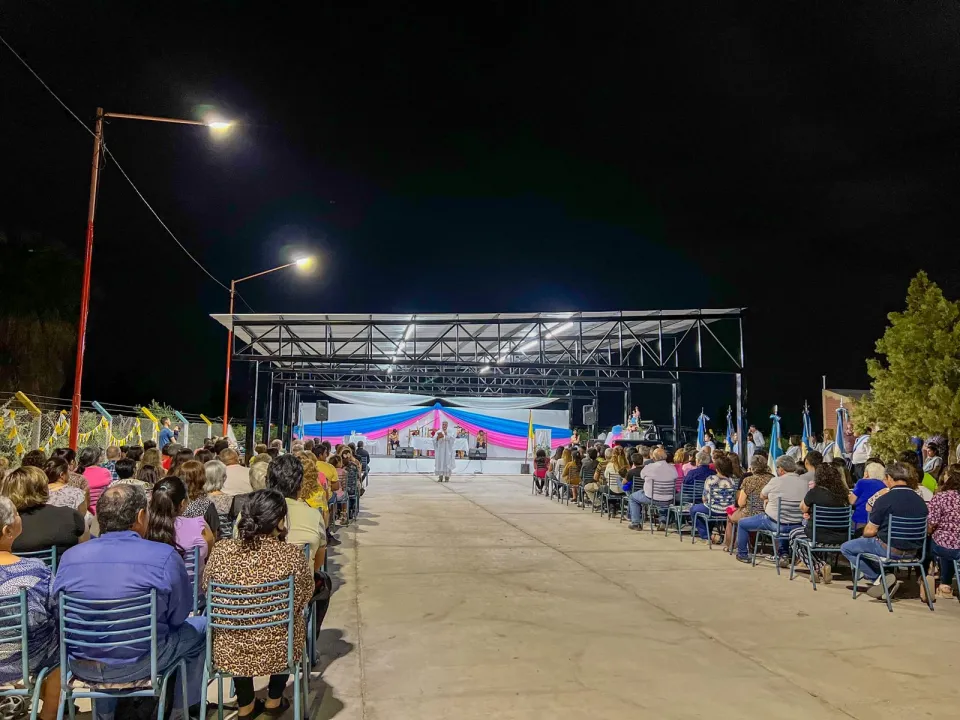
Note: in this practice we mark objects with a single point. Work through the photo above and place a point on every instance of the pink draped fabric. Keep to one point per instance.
(383, 432)
(502, 439)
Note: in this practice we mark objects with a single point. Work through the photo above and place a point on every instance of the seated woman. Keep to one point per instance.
(540, 466)
(312, 492)
(870, 484)
(42, 636)
(716, 487)
(571, 473)
(98, 478)
(194, 476)
(167, 523)
(748, 496)
(829, 490)
(944, 526)
(44, 526)
(59, 490)
(259, 554)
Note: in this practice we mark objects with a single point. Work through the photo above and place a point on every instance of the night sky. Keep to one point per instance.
(799, 159)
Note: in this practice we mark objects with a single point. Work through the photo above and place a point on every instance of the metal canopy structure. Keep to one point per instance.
(567, 355)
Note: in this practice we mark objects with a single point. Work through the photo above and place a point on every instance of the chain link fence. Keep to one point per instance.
(44, 423)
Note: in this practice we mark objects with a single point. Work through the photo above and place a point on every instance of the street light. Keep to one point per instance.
(304, 262)
(88, 252)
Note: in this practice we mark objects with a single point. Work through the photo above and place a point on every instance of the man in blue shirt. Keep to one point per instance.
(901, 501)
(167, 435)
(120, 564)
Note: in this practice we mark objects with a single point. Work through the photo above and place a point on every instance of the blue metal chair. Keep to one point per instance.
(47, 557)
(658, 511)
(781, 534)
(716, 497)
(192, 562)
(13, 631)
(823, 519)
(690, 494)
(99, 625)
(310, 612)
(899, 530)
(263, 605)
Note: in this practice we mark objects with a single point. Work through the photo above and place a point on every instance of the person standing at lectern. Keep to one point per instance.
(443, 453)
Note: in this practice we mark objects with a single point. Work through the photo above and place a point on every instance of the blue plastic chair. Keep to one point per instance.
(47, 557)
(690, 494)
(716, 497)
(92, 625)
(14, 631)
(823, 519)
(782, 533)
(239, 608)
(192, 562)
(899, 529)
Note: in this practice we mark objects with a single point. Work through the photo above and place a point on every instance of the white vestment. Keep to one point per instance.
(444, 455)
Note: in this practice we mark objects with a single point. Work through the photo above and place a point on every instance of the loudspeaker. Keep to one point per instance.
(589, 414)
(323, 410)
(403, 452)
(478, 454)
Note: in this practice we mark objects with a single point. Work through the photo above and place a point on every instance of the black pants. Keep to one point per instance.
(244, 687)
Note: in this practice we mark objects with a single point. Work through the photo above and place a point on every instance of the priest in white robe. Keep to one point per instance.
(443, 453)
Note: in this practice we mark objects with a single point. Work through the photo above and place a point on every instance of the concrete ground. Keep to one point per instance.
(474, 599)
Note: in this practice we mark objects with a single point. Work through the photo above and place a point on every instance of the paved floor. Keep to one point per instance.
(474, 599)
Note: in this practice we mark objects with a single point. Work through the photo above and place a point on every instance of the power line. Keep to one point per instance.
(126, 177)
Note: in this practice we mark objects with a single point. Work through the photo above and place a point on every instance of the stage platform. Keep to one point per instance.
(380, 465)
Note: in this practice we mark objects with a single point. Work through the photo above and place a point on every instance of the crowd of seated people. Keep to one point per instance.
(731, 505)
(122, 527)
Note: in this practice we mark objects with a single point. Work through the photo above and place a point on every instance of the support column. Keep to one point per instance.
(266, 432)
(675, 408)
(741, 419)
(626, 404)
(282, 416)
(252, 411)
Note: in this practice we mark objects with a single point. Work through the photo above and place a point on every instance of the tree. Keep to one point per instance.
(915, 381)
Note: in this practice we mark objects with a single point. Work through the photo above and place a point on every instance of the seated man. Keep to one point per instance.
(120, 564)
(900, 501)
(787, 487)
(659, 483)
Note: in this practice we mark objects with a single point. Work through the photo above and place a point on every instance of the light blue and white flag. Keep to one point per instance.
(807, 432)
(775, 450)
(729, 429)
(842, 415)
(702, 430)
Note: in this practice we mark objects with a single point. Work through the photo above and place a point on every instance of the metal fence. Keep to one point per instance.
(29, 423)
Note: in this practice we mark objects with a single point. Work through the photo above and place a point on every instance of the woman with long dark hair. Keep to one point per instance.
(829, 490)
(168, 525)
(259, 554)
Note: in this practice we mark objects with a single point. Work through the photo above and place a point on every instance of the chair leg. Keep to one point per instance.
(63, 702)
(182, 672)
(886, 590)
(856, 575)
(219, 696)
(756, 542)
(297, 713)
(926, 588)
(35, 697)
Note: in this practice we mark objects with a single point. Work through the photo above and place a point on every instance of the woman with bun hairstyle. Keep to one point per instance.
(259, 554)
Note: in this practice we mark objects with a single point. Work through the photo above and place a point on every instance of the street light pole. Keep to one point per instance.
(233, 291)
(85, 290)
(88, 251)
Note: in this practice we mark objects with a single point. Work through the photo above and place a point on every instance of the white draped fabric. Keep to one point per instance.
(381, 399)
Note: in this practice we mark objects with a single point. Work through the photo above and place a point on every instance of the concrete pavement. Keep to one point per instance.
(474, 599)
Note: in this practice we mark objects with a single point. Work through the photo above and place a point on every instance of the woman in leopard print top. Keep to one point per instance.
(259, 554)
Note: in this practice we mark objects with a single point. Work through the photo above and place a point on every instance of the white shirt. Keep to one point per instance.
(757, 438)
(238, 481)
(861, 450)
(659, 481)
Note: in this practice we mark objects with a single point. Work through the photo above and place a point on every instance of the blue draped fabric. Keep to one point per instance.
(501, 425)
(362, 426)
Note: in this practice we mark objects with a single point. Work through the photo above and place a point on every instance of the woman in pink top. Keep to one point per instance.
(98, 478)
(166, 523)
(680, 463)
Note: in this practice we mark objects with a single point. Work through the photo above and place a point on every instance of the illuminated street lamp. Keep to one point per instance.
(88, 252)
(303, 263)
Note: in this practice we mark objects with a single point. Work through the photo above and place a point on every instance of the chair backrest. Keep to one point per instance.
(666, 487)
(831, 518)
(906, 530)
(48, 557)
(192, 562)
(13, 627)
(235, 608)
(692, 493)
(89, 626)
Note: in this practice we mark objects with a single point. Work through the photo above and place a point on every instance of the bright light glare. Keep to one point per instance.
(304, 263)
(219, 125)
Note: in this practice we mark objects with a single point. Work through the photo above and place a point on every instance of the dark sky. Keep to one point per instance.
(800, 159)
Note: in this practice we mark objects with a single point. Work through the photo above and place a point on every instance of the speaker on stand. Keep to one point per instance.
(590, 417)
(479, 454)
